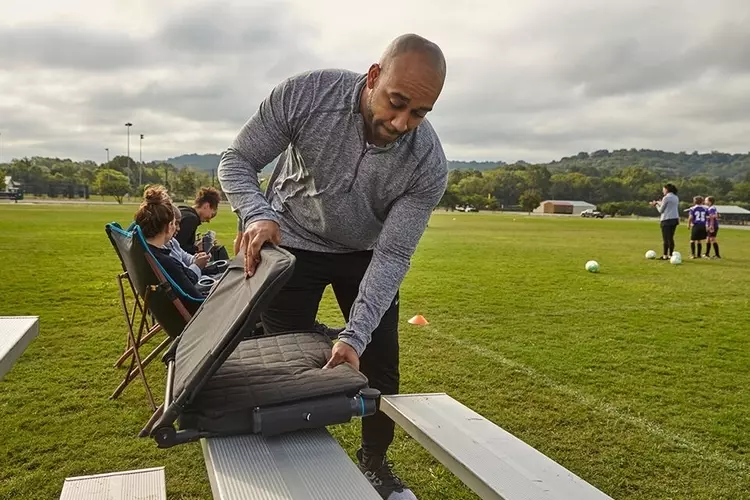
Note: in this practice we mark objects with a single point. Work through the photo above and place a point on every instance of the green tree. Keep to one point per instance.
(109, 182)
(477, 201)
(538, 177)
(741, 192)
(186, 183)
(507, 185)
(530, 199)
(450, 198)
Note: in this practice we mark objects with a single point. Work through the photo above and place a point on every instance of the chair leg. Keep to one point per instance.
(133, 374)
(136, 360)
(129, 317)
(150, 424)
(153, 331)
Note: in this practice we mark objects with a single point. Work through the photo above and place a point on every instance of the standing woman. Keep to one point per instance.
(669, 209)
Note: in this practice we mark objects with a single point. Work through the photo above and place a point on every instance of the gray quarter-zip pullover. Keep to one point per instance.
(330, 190)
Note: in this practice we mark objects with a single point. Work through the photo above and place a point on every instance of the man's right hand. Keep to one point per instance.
(254, 237)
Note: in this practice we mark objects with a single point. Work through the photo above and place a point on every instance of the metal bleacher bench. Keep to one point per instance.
(16, 332)
(143, 484)
(306, 464)
(491, 461)
(311, 464)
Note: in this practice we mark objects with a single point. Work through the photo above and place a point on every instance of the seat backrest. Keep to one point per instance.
(145, 271)
(114, 243)
(232, 310)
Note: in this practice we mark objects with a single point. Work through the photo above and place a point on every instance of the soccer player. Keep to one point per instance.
(712, 225)
(697, 225)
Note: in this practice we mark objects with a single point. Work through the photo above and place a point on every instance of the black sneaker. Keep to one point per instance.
(378, 471)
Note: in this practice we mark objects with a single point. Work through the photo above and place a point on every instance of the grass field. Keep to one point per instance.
(634, 378)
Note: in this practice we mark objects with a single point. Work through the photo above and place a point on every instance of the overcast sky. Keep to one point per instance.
(533, 80)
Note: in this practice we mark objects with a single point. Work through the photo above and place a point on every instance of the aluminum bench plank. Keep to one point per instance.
(16, 332)
(143, 484)
(309, 465)
(491, 461)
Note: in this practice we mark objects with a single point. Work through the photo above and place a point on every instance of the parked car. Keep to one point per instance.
(590, 212)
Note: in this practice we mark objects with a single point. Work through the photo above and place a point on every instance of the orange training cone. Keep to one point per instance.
(419, 320)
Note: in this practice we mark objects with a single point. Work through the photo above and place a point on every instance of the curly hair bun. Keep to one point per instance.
(156, 195)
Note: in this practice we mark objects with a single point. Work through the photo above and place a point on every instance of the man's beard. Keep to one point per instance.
(372, 125)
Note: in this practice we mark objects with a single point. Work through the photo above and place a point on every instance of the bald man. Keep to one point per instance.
(359, 173)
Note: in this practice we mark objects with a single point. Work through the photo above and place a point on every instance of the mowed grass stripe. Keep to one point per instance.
(602, 406)
(663, 346)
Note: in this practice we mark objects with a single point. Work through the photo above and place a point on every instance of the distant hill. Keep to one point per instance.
(206, 162)
(713, 164)
(201, 162)
(474, 165)
(682, 164)
(210, 162)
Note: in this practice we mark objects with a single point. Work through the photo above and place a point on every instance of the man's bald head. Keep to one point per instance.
(417, 45)
(402, 88)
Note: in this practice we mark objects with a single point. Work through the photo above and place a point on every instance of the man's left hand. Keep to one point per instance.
(343, 353)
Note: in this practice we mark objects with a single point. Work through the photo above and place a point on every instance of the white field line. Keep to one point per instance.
(702, 450)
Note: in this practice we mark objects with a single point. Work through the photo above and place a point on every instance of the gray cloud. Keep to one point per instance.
(548, 79)
(68, 47)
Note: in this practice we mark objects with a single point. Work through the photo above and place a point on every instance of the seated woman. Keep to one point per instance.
(155, 217)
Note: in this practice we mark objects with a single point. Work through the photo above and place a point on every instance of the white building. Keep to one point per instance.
(563, 207)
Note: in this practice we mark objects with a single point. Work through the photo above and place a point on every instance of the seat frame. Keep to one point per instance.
(137, 337)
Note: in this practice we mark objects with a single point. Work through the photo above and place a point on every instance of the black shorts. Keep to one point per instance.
(698, 233)
(712, 234)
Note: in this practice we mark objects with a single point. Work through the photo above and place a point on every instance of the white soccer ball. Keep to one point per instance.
(650, 254)
(592, 266)
(676, 258)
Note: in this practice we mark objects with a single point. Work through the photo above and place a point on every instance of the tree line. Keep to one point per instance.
(119, 177)
(620, 182)
(616, 191)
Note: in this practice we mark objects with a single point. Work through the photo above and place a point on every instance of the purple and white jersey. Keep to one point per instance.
(711, 212)
(699, 213)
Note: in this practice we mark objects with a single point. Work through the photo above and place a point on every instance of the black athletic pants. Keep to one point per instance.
(668, 228)
(296, 307)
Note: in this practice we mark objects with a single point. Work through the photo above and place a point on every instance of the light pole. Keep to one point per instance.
(128, 125)
(107, 150)
(1, 147)
(140, 161)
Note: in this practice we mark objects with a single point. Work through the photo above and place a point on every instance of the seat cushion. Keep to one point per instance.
(274, 369)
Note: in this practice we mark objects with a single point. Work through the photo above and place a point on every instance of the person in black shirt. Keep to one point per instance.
(204, 208)
(155, 217)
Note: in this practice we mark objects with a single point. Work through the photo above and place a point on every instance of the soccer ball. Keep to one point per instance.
(676, 258)
(592, 266)
(650, 254)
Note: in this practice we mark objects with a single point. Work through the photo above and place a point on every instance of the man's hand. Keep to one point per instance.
(253, 239)
(343, 353)
(201, 259)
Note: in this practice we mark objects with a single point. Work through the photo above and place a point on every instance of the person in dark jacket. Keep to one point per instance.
(204, 208)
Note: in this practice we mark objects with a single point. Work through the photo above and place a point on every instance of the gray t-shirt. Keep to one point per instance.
(330, 190)
(669, 207)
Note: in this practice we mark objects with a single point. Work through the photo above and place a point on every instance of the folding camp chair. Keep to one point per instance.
(226, 377)
(160, 296)
(137, 311)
